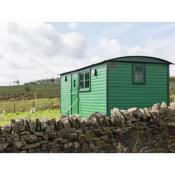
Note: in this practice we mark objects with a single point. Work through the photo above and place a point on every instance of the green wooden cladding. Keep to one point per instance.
(95, 99)
(65, 94)
(123, 93)
(89, 101)
(112, 85)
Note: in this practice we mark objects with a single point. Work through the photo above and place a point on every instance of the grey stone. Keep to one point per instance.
(68, 145)
(42, 142)
(156, 107)
(24, 133)
(19, 144)
(117, 116)
(93, 121)
(12, 137)
(172, 106)
(76, 145)
(29, 138)
(32, 125)
(31, 146)
(138, 114)
(93, 147)
(70, 136)
(3, 146)
(17, 126)
(42, 135)
(38, 125)
(15, 137)
(163, 105)
(171, 124)
(134, 114)
(68, 130)
(52, 135)
(75, 121)
(2, 139)
(147, 114)
(60, 125)
(6, 130)
(66, 122)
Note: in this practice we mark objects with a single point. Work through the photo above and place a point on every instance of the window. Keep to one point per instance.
(65, 78)
(95, 72)
(84, 80)
(138, 74)
(74, 83)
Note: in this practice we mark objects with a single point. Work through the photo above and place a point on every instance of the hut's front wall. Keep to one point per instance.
(94, 100)
(65, 94)
(122, 93)
(90, 101)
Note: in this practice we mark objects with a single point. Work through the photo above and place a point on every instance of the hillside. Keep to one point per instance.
(29, 91)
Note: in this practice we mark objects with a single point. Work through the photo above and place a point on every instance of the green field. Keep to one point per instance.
(41, 102)
(41, 91)
(45, 108)
(10, 106)
(45, 114)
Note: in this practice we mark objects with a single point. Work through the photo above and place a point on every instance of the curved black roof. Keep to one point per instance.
(134, 58)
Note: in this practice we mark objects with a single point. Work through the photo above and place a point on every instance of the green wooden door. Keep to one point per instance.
(74, 94)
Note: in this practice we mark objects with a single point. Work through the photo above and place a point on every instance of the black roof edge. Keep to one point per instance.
(101, 62)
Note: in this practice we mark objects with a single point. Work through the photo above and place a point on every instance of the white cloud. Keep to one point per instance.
(31, 51)
(73, 25)
(162, 47)
(110, 44)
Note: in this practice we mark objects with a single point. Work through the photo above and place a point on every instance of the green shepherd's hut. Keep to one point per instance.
(123, 82)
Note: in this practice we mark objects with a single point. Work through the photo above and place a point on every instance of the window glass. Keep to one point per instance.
(87, 84)
(81, 75)
(139, 73)
(87, 75)
(81, 84)
(84, 80)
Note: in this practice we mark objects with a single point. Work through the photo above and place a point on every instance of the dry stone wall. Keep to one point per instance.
(133, 130)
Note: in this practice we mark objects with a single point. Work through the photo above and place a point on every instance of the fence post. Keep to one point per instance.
(14, 108)
(52, 105)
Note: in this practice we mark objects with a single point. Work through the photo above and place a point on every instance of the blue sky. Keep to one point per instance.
(146, 36)
(129, 34)
(31, 51)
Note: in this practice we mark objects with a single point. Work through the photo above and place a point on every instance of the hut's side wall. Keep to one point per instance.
(95, 99)
(65, 94)
(122, 93)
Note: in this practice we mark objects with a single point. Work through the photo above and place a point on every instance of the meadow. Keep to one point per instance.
(12, 106)
(29, 91)
(44, 108)
(42, 115)
(29, 101)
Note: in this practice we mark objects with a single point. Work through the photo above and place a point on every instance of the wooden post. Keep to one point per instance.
(52, 104)
(14, 108)
(35, 96)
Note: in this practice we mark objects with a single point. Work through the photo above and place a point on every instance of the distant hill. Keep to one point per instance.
(46, 88)
(45, 81)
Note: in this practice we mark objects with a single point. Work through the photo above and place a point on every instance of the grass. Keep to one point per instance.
(23, 110)
(44, 114)
(41, 90)
(25, 105)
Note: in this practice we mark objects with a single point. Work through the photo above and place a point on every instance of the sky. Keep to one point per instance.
(33, 51)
